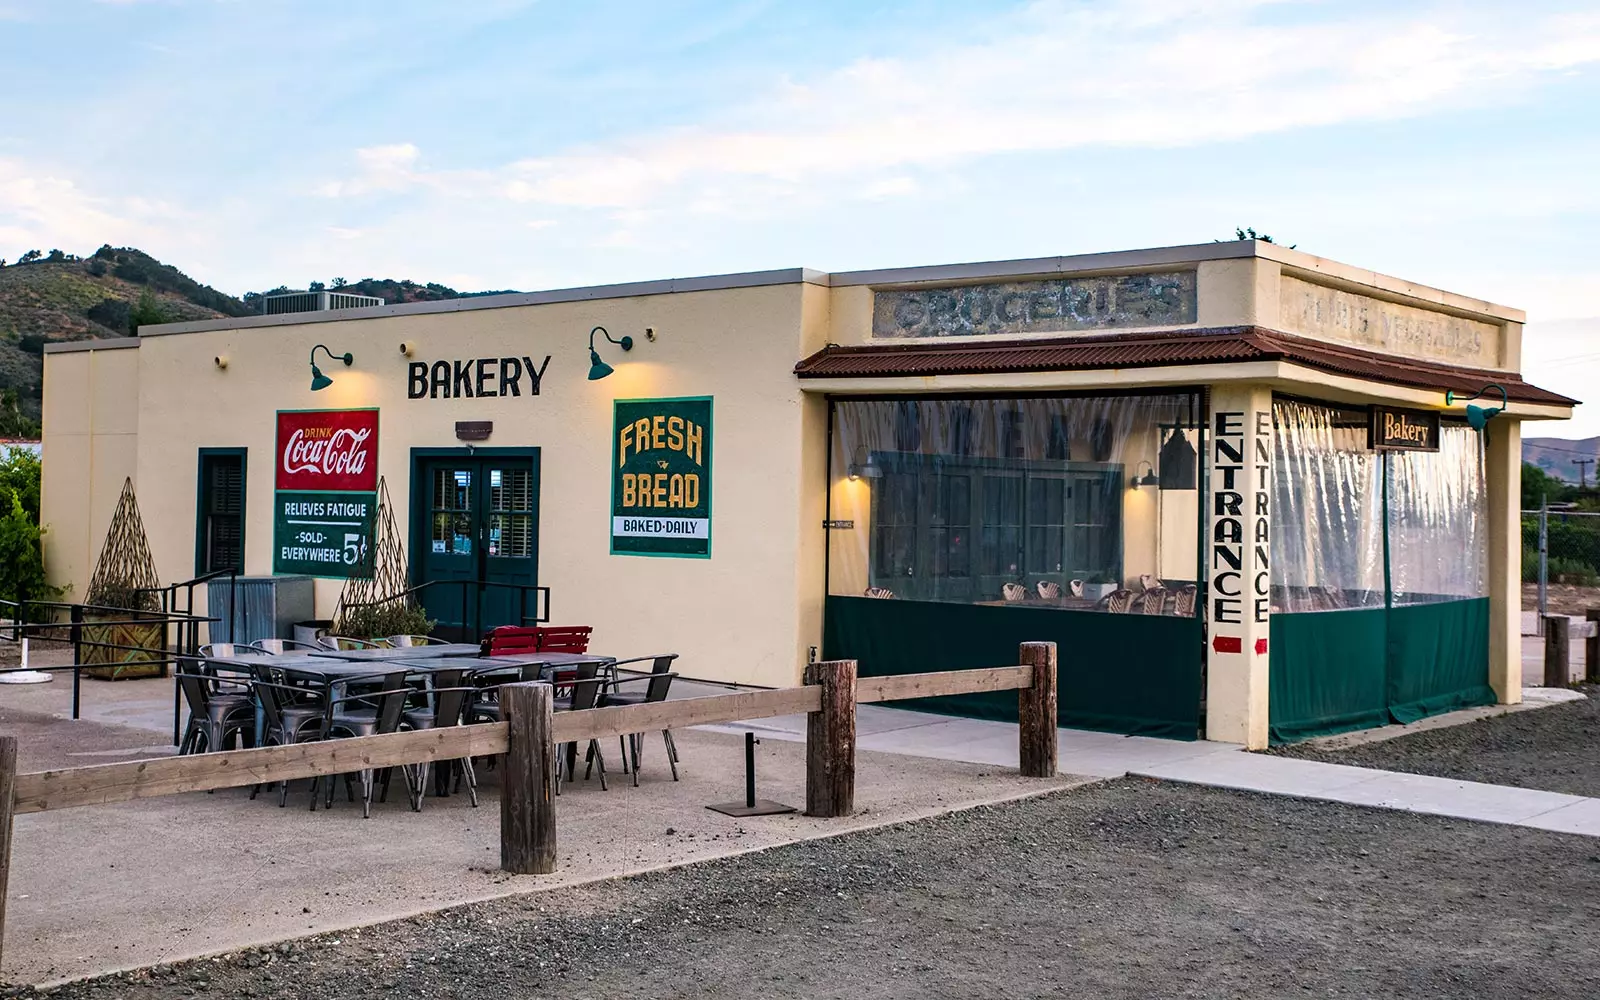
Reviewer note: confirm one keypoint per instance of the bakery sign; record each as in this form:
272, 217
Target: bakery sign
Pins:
325, 502
661, 477
1393, 429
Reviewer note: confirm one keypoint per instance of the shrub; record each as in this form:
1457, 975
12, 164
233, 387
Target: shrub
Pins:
21, 551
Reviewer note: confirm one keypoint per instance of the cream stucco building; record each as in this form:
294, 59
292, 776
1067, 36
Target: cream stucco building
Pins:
1158, 458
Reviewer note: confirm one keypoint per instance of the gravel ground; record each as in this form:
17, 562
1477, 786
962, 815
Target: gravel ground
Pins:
1556, 749
1125, 889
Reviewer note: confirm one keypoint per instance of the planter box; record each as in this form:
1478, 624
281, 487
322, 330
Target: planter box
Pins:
124, 664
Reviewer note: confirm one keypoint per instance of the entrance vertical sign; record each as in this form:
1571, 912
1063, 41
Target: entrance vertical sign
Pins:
1239, 564
325, 503
661, 477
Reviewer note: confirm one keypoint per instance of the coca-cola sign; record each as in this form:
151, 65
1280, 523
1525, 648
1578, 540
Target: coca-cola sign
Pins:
327, 450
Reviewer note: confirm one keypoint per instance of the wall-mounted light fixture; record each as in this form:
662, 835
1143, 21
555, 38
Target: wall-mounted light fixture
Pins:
221, 361
407, 349
1478, 417
863, 467
599, 369
320, 381
1148, 479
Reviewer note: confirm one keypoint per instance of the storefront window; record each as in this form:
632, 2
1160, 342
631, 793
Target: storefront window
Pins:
1327, 542
1078, 503
1439, 521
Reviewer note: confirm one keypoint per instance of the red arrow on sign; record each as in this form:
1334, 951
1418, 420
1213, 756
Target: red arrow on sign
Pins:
1228, 644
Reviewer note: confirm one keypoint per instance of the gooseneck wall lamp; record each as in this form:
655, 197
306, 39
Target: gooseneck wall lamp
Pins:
320, 381
1478, 417
599, 369
1148, 479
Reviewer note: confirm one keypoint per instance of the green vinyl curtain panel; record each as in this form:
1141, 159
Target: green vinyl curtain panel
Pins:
1380, 563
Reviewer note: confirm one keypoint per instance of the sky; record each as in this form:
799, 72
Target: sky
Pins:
492, 144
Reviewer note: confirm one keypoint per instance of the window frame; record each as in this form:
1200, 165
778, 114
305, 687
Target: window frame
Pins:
200, 512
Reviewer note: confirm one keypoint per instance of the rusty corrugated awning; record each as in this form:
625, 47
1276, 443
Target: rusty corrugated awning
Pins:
1223, 345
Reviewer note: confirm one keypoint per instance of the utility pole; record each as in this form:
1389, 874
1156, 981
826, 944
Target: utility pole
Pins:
1583, 467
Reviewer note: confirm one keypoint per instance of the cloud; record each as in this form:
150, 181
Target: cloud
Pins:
40, 209
1053, 76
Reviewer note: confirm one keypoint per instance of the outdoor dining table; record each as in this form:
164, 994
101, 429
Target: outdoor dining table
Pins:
398, 652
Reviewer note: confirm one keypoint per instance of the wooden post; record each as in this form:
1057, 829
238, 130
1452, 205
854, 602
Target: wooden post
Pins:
831, 740
528, 782
1036, 712
1591, 647
8, 781
1557, 651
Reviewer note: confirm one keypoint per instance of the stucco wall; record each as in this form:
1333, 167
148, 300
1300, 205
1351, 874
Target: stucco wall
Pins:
736, 616
91, 427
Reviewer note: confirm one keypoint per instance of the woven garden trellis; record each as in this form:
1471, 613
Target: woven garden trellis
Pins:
124, 578
125, 574
379, 605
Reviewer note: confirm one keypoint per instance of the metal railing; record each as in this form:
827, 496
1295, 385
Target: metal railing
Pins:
541, 600
42, 621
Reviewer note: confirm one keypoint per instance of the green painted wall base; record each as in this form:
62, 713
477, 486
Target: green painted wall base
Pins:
1132, 674
1334, 671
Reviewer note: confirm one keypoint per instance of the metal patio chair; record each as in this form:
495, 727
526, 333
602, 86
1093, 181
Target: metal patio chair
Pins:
1184, 601
445, 704
658, 682
1155, 601
367, 713
1049, 590
291, 713
1119, 601
218, 708
405, 641
227, 649
344, 642
278, 646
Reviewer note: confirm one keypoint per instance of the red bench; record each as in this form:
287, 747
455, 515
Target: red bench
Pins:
508, 640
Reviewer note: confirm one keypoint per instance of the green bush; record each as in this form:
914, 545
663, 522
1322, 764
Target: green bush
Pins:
1560, 570
396, 617
21, 553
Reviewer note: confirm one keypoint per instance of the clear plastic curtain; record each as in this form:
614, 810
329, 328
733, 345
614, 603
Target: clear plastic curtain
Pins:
1087, 503
1327, 543
1439, 521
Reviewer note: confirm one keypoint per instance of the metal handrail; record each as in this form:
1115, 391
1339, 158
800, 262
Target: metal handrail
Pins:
522, 601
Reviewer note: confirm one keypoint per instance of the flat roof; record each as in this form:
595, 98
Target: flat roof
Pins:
1295, 262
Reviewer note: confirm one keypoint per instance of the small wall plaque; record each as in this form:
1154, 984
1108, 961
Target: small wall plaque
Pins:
474, 430
1395, 429
838, 525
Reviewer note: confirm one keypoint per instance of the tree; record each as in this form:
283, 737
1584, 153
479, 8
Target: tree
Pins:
29, 257
1539, 486
316, 286
21, 554
13, 422
148, 311
337, 282
20, 474
56, 257
1249, 233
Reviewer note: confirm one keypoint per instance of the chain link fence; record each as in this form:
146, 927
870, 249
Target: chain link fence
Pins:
1560, 546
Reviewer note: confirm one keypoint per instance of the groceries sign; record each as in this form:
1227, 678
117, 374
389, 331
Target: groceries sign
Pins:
661, 477
326, 501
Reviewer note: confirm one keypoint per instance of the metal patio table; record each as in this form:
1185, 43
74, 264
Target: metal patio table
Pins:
400, 652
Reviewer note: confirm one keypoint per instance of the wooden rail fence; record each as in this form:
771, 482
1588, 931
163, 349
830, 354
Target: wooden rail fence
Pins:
528, 739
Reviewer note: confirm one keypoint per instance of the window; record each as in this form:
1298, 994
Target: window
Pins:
219, 510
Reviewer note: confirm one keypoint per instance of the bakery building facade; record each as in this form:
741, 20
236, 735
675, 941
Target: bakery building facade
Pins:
1253, 494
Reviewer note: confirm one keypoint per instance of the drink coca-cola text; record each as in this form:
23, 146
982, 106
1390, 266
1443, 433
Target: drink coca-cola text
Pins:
341, 453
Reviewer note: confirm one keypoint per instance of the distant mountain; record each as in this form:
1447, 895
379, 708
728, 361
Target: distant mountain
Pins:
59, 296
1555, 456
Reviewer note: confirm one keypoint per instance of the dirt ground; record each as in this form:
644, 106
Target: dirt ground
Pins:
43, 742
1125, 889
1562, 598
1556, 749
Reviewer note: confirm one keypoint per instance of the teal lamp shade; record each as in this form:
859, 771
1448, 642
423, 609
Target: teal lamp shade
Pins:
599, 369
1478, 417
320, 381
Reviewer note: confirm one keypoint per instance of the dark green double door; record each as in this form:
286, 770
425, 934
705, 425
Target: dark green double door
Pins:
475, 531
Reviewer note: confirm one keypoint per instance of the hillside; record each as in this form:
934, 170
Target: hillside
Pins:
44, 299
1555, 456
